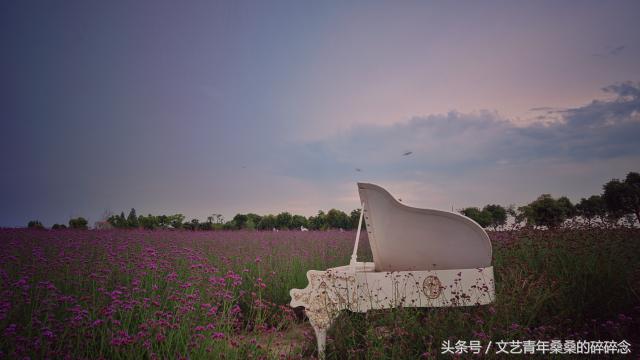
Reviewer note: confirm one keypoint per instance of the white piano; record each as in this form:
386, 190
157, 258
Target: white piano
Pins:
421, 258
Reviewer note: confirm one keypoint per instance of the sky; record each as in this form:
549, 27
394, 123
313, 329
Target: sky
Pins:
267, 106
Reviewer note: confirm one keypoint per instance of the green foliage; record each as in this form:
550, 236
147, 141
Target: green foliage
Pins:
35, 224
148, 222
592, 207
121, 221
318, 222
298, 220
252, 221
547, 211
78, 223
567, 207
482, 217
205, 226
497, 213
623, 197
284, 221
250, 224
176, 221
354, 216
132, 219
230, 225
267, 222
193, 224
337, 219
240, 220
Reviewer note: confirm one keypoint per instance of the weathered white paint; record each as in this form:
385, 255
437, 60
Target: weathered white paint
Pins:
422, 258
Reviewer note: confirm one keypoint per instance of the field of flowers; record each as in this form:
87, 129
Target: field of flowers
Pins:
181, 294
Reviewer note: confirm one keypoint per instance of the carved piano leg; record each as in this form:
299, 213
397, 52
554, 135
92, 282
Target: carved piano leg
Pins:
321, 338
323, 298
321, 320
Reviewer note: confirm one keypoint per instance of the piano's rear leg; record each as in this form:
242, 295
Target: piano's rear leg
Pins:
321, 337
323, 299
321, 321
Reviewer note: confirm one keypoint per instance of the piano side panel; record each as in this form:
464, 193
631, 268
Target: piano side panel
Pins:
340, 288
436, 288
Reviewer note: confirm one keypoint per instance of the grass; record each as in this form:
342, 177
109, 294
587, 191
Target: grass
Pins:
181, 294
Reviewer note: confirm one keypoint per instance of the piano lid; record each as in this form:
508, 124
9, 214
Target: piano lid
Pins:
405, 238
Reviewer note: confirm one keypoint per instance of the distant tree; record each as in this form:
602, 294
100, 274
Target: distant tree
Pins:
191, 225
284, 221
58, 226
176, 221
132, 219
523, 214
355, 219
318, 222
337, 219
113, 220
623, 197
591, 208
267, 222
498, 215
483, 218
252, 221
230, 225
78, 223
163, 221
148, 222
122, 221
547, 211
298, 220
240, 220
35, 224
205, 226
250, 224
567, 207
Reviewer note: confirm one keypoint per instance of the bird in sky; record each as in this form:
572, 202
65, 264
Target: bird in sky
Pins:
358, 170
407, 153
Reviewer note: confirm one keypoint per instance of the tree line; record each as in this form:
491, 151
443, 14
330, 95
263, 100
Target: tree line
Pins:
74, 223
332, 219
619, 198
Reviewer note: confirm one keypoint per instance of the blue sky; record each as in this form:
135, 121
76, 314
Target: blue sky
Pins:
227, 107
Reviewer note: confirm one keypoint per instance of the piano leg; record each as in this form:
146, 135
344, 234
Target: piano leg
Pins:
323, 299
321, 337
321, 321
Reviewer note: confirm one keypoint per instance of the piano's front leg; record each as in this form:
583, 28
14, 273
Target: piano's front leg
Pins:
328, 292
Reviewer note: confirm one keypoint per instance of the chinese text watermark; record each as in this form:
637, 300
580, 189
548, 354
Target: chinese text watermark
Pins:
516, 347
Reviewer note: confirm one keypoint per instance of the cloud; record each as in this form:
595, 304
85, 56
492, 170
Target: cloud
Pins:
611, 51
616, 50
459, 143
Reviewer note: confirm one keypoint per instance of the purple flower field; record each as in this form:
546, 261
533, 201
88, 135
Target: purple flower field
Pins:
156, 294
224, 294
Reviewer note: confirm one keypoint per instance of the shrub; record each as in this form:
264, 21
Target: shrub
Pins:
78, 223
35, 224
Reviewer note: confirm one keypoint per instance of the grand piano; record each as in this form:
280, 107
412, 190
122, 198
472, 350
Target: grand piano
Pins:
421, 258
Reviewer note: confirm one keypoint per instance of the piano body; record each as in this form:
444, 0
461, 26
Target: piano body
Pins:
421, 258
